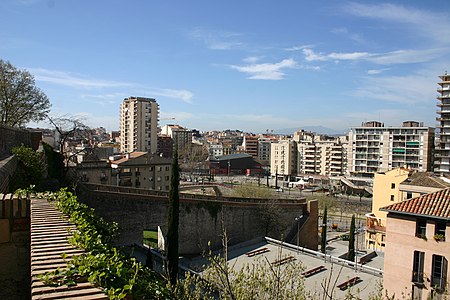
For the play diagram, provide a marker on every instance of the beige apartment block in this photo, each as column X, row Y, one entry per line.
column 442, row 154
column 418, row 247
column 393, row 187
column 374, row 148
column 139, row 125
column 320, row 154
column 283, row 158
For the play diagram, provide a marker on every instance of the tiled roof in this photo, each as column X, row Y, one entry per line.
column 234, row 156
column 435, row 204
column 426, row 180
column 131, row 155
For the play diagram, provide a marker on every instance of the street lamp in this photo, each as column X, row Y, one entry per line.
column 298, row 229
column 114, row 166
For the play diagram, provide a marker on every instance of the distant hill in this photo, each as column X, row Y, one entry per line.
column 316, row 129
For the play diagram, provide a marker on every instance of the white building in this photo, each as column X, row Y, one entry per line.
column 374, row 148
column 442, row 154
column 138, row 125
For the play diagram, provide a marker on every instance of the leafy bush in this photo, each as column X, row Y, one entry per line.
column 103, row 265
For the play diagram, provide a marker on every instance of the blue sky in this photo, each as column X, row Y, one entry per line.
column 248, row 65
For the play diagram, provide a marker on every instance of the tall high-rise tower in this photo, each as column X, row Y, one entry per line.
column 442, row 151
column 139, row 125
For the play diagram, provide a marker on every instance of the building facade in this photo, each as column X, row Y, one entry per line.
column 283, row 158
column 391, row 187
column 442, row 153
column 139, row 125
column 418, row 247
column 374, row 148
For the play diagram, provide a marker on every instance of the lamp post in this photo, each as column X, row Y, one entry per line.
column 297, row 219
column 116, row 167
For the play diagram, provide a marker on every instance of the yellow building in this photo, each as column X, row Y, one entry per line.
column 392, row 187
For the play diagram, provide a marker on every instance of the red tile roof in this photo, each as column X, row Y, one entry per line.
column 435, row 204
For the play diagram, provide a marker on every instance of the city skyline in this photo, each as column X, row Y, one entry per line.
column 247, row 66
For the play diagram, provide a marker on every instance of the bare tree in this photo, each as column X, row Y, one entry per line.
column 69, row 129
column 20, row 100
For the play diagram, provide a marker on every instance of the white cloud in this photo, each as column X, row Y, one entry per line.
column 342, row 31
column 434, row 26
column 69, row 79
column 411, row 89
column 388, row 58
column 217, row 40
column 298, row 48
column 376, row 71
column 266, row 71
column 184, row 95
column 80, row 81
column 251, row 59
column 310, row 55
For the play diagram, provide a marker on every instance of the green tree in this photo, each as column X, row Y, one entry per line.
column 20, row 100
column 30, row 168
column 173, row 220
column 351, row 241
column 323, row 242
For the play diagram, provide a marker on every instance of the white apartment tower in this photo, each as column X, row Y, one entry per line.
column 374, row 148
column 138, row 125
column 442, row 152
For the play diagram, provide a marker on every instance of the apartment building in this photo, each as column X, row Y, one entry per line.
column 374, row 148
column 418, row 247
column 138, row 125
column 442, row 152
column 391, row 187
column 320, row 154
column 181, row 136
column 141, row 170
column 215, row 151
column 283, row 157
column 264, row 149
column 250, row 145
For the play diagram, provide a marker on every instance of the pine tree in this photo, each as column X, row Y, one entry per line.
column 323, row 242
column 351, row 241
column 173, row 220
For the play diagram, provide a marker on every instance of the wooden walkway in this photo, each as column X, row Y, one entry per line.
column 48, row 241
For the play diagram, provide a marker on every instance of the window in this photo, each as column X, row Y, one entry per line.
column 167, row 168
column 167, row 178
column 421, row 228
column 417, row 276
column 440, row 227
column 408, row 195
column 392, row 185
column 392, row 197
column 439, row 272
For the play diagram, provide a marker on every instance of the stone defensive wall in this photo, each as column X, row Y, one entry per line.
column 11, row 137
column 203, row 218
column 8, row 167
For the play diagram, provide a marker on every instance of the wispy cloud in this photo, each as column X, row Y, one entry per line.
column 429, row 24
column 83, row 82
column 299, row 48
column 266, row 71
column 376, row 71
column 217, row 40
column 401, row 89
column 310, row 55
column 342, row 31
column 69, row 79
column 394, row 57
column 184, row 95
